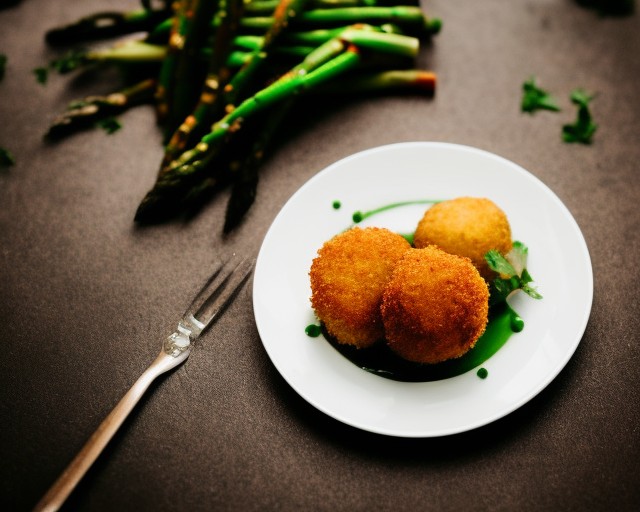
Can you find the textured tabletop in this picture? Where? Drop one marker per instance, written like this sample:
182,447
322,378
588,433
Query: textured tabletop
86,296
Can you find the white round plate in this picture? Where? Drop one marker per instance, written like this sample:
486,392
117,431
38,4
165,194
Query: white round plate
558,261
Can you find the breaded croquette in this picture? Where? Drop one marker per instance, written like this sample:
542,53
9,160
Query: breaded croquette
347,280
435,306
466,226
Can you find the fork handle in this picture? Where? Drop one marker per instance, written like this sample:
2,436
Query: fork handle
64,485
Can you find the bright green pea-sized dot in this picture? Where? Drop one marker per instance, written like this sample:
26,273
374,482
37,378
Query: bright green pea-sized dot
336,205
357,217
517,323
313,330
482,373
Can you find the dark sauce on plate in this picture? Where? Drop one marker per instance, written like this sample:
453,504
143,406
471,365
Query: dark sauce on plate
380,360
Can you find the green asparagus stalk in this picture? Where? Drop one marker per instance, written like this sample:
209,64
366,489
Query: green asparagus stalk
88,112
105,25
179,24
266,7
189,73
410,19
403,80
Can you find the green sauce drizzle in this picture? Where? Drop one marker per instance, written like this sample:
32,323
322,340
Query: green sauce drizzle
359,216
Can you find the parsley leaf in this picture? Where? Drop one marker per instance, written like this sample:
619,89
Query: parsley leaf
3,65
6,158
513,274
534,98
583,128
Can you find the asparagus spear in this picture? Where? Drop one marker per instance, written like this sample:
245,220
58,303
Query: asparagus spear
188,73
265,7
410,19
402,80
88,112
104,25
166,78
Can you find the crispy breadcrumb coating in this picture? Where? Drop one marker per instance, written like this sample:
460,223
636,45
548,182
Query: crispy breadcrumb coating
435,306
347,280
466,226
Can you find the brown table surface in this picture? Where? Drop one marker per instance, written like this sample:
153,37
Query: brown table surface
86,296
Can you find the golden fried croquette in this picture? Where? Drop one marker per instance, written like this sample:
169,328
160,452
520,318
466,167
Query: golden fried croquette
466,226
435,306
347,280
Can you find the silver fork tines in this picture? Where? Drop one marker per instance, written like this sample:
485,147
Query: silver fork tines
217,293
210,301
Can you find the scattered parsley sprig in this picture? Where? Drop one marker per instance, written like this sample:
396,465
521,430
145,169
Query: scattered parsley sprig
513,274
534,98
583,128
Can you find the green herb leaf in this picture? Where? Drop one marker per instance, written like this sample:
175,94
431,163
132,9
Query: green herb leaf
109,125
42,74
513,274
534,98
498,263
583,128
531,291
3,65
517,256
6,158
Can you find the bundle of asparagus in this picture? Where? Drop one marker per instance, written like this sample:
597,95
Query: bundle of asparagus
222,75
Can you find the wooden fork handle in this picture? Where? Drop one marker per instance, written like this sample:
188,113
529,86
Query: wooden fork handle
64,485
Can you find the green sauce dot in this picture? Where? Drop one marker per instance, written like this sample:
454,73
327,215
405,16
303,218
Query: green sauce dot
357,217
336,205
517,323
482,373
313,330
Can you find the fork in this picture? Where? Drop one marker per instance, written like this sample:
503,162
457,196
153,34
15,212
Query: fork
211,300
